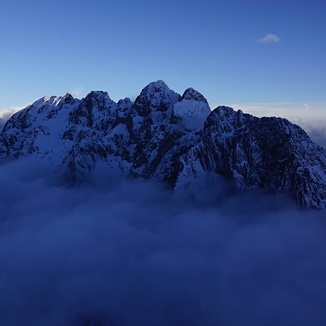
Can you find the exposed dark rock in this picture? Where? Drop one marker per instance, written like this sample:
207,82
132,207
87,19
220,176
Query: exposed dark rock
156,137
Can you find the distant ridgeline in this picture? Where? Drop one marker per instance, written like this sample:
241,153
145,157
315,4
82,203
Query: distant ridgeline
172,138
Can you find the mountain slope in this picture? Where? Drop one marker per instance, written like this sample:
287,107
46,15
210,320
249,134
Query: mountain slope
175,139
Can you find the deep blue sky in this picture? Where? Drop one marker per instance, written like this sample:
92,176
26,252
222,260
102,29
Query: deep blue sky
53,47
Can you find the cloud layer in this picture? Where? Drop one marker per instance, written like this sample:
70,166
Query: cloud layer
129,253
6,114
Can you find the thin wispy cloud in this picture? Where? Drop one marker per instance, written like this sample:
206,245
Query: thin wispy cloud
269,38
78,92
5,114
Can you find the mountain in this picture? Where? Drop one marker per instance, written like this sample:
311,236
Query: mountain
172,138
2,123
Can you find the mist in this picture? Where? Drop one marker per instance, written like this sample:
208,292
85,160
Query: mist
316,131
127,252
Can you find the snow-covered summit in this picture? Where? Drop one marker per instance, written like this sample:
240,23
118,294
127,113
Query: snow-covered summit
156,96
193,109
192,94
172,138
156,87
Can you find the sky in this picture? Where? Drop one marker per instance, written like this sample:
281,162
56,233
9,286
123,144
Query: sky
233,52
128,253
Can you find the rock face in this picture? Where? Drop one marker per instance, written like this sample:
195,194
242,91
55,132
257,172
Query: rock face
172,138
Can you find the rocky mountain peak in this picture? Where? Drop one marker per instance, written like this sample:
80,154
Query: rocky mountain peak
226,112
192,109
156,96
173,139
125,103
193,95
98,98
68,98
157,86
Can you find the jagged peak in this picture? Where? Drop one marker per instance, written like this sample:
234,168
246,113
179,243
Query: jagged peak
156,96
45,100
125,100
97,94
157,85
224,110
221,111
162,135
125,103
68,98
68,95
100,99
192,109
192,94
224,113
41,101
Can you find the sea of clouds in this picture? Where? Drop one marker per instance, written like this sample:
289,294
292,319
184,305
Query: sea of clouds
126,252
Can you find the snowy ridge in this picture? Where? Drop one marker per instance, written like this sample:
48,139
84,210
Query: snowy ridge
172,138
193,109
267,152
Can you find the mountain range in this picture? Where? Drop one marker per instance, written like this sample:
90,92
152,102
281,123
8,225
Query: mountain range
175,139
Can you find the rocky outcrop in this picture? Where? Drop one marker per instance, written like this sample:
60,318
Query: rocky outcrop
169,137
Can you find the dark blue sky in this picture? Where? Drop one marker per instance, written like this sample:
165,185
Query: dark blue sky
217,47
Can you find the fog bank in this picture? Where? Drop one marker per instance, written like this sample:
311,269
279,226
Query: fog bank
126,252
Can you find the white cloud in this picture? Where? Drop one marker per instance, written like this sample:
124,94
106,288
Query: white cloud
78,92
269,38
6,114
